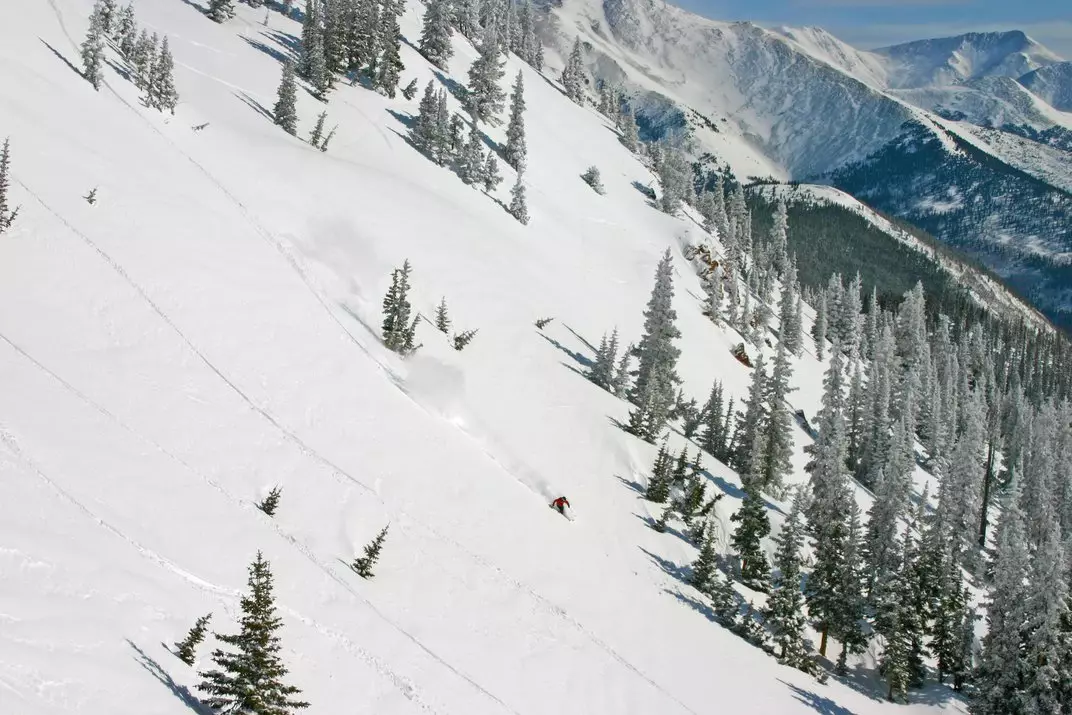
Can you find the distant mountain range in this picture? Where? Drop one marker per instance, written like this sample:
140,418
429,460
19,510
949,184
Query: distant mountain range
966,137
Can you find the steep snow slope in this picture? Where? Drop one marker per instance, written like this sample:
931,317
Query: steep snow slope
988,102
1053,83
207,329
950,60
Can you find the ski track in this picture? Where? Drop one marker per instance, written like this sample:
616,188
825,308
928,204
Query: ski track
305,448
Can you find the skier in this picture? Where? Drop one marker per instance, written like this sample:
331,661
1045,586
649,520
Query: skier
562,504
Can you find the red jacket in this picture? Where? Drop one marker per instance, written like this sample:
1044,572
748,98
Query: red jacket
560,502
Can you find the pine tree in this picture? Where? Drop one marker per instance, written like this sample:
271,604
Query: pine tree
425,132
630,131
750,423
898,621
675,176
573,79
818,332
658,490
397,309
705,567
492,177
271,502
142,59
1047,610
752,525
778,436
785,607
1003,668
410,90
442,319
285,111
363,564
602,372
7,216
653,390
515,151
318,131
315,64
127,31
185,648
93,47
518,206
389,67
484,97
108,16
220,10
592,178
248,678
471,162
436,33
715,430
161,93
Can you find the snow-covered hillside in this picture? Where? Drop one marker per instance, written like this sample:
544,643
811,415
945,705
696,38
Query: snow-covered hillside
1053,83
208,329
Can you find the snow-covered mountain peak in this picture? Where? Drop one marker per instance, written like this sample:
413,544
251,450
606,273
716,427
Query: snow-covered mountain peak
950,60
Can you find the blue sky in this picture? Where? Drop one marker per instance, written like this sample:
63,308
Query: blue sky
873,23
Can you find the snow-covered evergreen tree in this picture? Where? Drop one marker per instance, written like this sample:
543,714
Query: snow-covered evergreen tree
675,177
249,675
573,77
623,375
518,205
7,215
126,31
1047,647
630,130
161,93
705,567
107,16
471,161
435,43
425,131
484,96
515,151
818,331
753,525
656,378
492,177
185,649
442,318
317,134
785,607
142,59
362,565
715,432
271,502
602,372
389,66
93,47
750,423
220,10
397,310
285,111
658,489
776,462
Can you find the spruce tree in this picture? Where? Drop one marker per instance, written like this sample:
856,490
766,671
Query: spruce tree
623,376
818,332
315,64
142,59
515,151
389,67
750,423
484,96
285,111
656,345
248,677
271,502
630,131
362,565
7,215
518,206
602,372
492,177
705,567
93,48
715,437
442,319
318,131
785,607
752,525
220,10
107,15
778,438
185,649
436,32
658,490
573,80
397,309
127,31
425,131
1047,611
410,90
471,161
161,93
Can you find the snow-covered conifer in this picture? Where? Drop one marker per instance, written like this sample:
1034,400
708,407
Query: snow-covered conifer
602,372
751,421
592,178
715,437
778,431
630,131
492,177
658,489
435,42
785,607
108,16
425,131
315,63
471,161
515,151
285,111
518,206
185,649
573,79
484,96
93,47
656,378
397,309
142,59
271,502
442,318
126,31
221,10
389,67
410,90
675,176
705,567
362,565
753,525
161,93
779,237
623,376
7,215
250,670
318,131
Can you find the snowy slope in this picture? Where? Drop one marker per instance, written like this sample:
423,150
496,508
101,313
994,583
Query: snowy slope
207,330
1053,83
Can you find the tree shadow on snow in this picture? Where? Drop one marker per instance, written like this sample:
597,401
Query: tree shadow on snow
179,691
275,53
580,337
696,605
196,6
647,191
670,530
681,573
64,58
577,357
457,89
285,40
255,106
407,120
635,486
121,70
816,702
